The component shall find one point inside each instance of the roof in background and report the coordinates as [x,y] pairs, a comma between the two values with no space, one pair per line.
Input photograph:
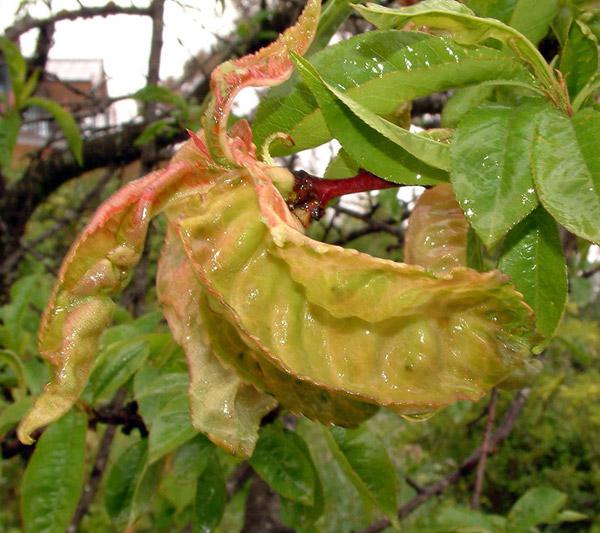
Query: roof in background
[78,70]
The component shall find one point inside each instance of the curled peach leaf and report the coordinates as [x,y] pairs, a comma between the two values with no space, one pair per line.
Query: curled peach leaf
[97,267]
[269,66]
[382,332]
[222,406]
[436,237]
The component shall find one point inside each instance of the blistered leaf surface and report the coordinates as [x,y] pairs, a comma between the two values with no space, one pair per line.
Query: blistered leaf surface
[436,237]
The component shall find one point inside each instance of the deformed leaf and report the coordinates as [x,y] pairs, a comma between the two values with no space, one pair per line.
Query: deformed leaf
[436,237]
[532,256]
[222,406]
[566,170]
[53,479]
[97,266]
[330,302]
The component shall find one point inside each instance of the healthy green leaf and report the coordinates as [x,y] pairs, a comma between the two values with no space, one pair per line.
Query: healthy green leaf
[539,505]
[532,18]
[380,70]
[369,148]
[579,57]
[284,466]
[428,150]
[532,256]
[115,365]
[153,389]
[566,170]
[296,515]
[341,166]
[490,167]
[65,121]
[171,427]
[466,28]
[53,479]
[333,14]
[211,496]
[130,485]
[364,459]
[462,101]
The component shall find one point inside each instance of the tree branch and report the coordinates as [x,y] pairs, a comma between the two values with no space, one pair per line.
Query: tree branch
[29,23]
[485,449]
[465,467]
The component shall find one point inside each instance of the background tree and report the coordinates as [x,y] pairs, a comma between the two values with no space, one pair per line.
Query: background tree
[506,464]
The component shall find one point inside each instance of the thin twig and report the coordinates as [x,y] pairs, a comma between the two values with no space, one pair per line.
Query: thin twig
[485,449]
[465,467]
[28,23]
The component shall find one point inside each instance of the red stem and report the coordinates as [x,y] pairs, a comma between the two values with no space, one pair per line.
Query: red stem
[313,194]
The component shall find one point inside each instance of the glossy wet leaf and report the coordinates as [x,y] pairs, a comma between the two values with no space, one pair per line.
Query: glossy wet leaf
[325,298]
[365,461]
[466,28]
[436,237]
[283,465]
[130,485]
[224,407]
[153,388]
[54,476]
[422,147]
[462,101]
[211,496]
[539,505]
[579,57]
[298,515]
[566,170]
[532,256]
[379,70]
[171,427]
[116,364]
[490,173]
[371,149]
